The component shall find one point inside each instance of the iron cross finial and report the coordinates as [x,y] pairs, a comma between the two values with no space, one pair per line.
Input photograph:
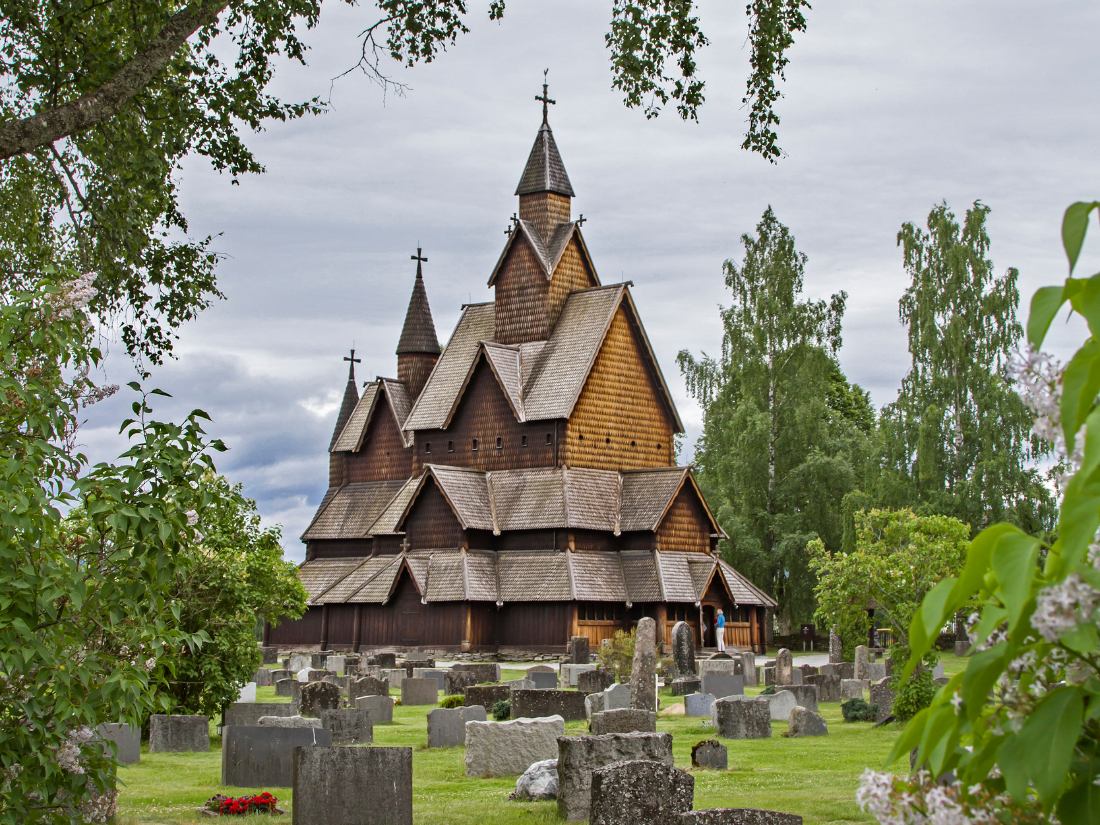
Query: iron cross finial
[582,220]
[512,226]
[545,96]
[352,361]
[420,259]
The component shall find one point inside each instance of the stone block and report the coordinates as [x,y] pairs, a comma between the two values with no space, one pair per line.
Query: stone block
[863,659]
[263,757]
[804,722]
[698,704]
[623,720]
[876,671]
[247,714]
[125,739]
[430,673]
[780,705]
[417,691]
[805,695]
[639,791]
[543,680]
[447,726]
[314,675]
[807,672]
[318,696]
[684,685]
[509,748]
[288,722]
[568,704]
[353,786]
[882,697]
[784,670]
[299,661]
[853,688]
[579,651]
[367,686]
[742,717]
[748,667]
[828,687]
[455,681]
[395,676]
[720,666]
[247,692]
[769,674]
[738,816]
[485,671]
[538,782]
[579,756]
[683,648]
[336,663]
[710,754]
[845,670]
[594,681]
[288,687]
[348,726]
[178,734]
[262,677]
[571,673]
[722,684]
[486,695]
[643,671]
[380,708]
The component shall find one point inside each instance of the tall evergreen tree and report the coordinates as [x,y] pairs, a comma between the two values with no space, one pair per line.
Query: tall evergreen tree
[785,435]
[957,440]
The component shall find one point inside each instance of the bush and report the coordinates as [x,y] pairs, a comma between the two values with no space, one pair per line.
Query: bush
[857,710]
[616,655]
[501,710]
[666,668]
[914,694]
[768,690]
[454,700]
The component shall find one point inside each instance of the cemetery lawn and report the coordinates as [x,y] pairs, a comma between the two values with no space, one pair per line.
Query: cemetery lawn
[813,777]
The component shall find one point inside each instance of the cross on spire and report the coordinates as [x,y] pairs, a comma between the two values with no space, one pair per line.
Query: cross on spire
[419,258]
[352,361]
[545,96]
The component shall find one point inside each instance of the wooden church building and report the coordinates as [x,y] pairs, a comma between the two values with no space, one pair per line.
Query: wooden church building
[518,486]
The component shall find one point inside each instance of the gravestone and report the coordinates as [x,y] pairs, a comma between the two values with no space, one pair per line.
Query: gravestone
[806,723]
[485,671]
[368,686]
[318,696]
[807,672]
[247,714]
[780,705]
[683,648]
[520,684]
[247,692]
[447,726]
[684,685]
[543,679]
[738,816]
[720,684]
[395,676]
[415,660]
[877,670]
[270,655]
[178,734]
[784,671]
[455,681]
[643,672]
[748,667]
[276,675]
[317,675]
[299,661]
[380,708]
[698,704]
[263,757]
[639,791]
[805,695]
[348,726]
[539,782]
[623,720]
[571,673]
[836,647]
[353,786]
[828,687]
[415,691]
[720,666]
[509,748]
[742,717]
[384,659]
[882,697]
[486,695]
[845,670]
[288,722]
[262,677]
[317,660]
[710,754]
[337,664]
[594,681]
[863,658]
[579,756]
[769,674]
[288,687]
[853,688]
[568,704]
[579,652]
[430,673]
[125,738]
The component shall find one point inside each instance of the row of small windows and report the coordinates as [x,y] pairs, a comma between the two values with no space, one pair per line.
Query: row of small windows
[475,444]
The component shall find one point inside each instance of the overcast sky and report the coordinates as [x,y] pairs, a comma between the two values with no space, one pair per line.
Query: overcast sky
[889,109]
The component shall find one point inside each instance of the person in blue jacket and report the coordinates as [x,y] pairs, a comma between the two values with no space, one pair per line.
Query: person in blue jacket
[720,630]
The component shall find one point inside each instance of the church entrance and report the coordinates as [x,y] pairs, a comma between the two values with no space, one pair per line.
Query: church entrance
[407,606]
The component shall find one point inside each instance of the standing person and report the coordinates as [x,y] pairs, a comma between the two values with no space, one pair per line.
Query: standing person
[720,630]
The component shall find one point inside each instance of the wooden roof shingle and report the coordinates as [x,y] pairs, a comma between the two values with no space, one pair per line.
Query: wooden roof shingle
[352,510]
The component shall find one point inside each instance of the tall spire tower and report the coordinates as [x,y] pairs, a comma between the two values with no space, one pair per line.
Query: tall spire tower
[418,349]
[544,189]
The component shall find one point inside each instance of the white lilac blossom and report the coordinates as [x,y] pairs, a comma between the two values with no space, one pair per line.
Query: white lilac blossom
[1061,607]
[68,753]
[99,807]
[1038,379]
[192,518]
[76,295]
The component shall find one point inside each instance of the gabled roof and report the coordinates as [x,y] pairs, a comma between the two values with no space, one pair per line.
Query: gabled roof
[319,575]
[548,251]
[347,406]
[648,495]
[351,511]
[397,398]
[465,491]
[545,171]
[744,591]
[418,331]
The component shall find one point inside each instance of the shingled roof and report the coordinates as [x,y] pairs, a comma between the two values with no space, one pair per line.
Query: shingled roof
[347,406]
[545,171]
[354,431]
[548,251]
[351,511]
[418,332]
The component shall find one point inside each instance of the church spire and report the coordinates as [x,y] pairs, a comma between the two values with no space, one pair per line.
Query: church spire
[545,172]
[351,398]
[418,348]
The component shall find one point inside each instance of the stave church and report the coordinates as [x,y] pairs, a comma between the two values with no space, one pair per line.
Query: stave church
[518,486]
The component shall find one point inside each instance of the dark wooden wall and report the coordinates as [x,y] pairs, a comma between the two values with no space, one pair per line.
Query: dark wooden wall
[337,549]
[685,526]
[620,421]
[521,293]
[535,624]
[572,273]
[413,369]
[304,631]
[384,455]
[431,523]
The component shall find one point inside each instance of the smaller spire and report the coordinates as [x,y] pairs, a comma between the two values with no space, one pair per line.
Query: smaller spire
[545,171]
[418,333]
[350,399]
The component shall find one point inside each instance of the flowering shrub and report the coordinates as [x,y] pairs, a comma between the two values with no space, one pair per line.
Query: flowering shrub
[262,803]
[1018,731]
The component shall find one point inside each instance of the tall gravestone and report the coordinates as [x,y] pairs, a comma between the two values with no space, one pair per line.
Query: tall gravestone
[579,651]
[748,667]
[784,666]
[643,674]
[836,647]
[353,786]
[863,660]
[318,696]
[639,791]
[683,648]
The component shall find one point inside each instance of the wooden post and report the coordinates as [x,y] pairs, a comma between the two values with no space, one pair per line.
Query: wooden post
[324,627]
[754,642]
[357,628]
[662,627]
[468,629]
[574,624]
[267,634]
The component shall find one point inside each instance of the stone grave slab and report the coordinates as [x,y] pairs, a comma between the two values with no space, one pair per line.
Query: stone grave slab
[262,757]
[353,786]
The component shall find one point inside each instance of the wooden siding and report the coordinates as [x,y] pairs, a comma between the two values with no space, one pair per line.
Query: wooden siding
[521,292]
[620,421]
[431,522]
[571,274]
[685,526]
[384,454]
[484,414]
[533,624]
[413,369]
[337,469]
[304,631]
[338,549]
[546,210]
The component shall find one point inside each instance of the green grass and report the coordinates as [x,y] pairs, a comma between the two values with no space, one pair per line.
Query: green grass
[813,777]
